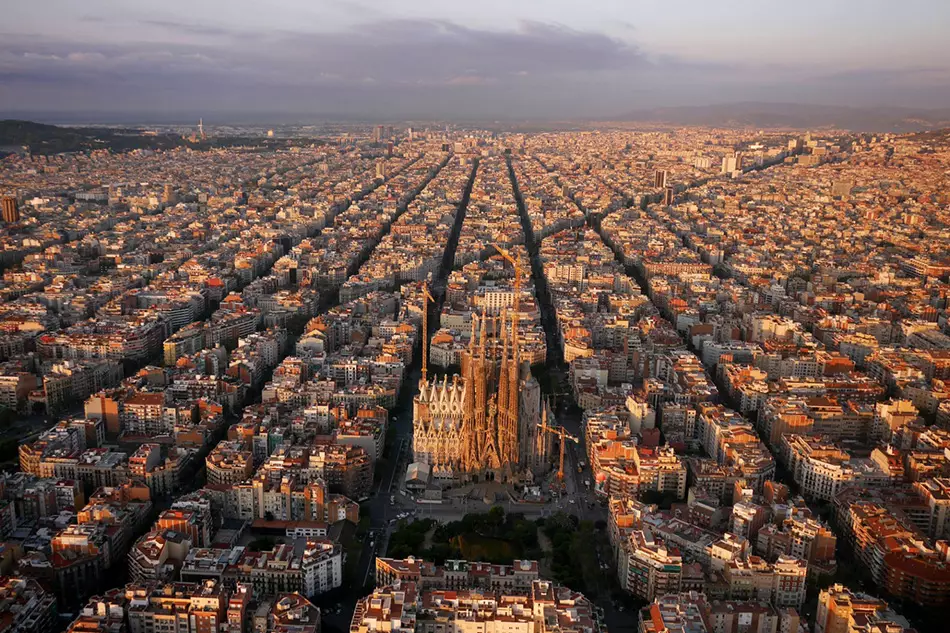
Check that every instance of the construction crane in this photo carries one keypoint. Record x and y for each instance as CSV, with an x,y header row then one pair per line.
x,y
560,432
517,266
426,298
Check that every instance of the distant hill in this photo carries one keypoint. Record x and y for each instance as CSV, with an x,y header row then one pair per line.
x,y
936,138
14,132
41,138
795,116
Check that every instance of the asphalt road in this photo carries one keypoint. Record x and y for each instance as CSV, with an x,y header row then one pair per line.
x,y
381,511
576,499
24,428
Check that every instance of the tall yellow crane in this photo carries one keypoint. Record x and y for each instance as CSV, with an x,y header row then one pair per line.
x,y
426,298
560,432
517,266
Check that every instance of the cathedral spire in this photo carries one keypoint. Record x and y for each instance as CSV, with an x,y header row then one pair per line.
x,y
503,396
499,325
514,392
516,342
504,338
481,339
471,340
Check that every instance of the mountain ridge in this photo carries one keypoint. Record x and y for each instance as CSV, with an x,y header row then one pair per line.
x,y
795,116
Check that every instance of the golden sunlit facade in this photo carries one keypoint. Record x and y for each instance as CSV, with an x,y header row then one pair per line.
x,y
484,424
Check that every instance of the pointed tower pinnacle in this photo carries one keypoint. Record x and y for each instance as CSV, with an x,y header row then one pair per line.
x,y
471,340
496,323
481,338
504,337
514,394
516,342
503,397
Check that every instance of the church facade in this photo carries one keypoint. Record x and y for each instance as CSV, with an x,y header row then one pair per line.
x,y
483,425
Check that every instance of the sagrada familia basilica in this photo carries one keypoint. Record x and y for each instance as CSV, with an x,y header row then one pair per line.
x,y
487,424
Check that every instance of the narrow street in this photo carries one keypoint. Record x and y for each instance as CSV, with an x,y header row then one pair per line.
x,y
577,500
399,448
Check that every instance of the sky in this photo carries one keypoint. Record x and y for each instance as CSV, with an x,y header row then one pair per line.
x,y
459,59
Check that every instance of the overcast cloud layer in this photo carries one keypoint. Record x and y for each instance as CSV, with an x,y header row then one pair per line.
x,y
416,58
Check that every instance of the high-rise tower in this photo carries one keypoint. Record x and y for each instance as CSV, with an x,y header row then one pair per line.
x,y
11,209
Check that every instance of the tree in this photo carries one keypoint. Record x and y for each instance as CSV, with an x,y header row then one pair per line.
x,y
263,544
496,517
664,500
6,416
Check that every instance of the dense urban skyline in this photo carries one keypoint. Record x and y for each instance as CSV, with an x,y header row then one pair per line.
x,y
419,58
428,317
589,380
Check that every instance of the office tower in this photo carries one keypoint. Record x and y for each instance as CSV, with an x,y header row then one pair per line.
x,y
659,178
168,196
379,133
11,210
732,163
380,169
668,195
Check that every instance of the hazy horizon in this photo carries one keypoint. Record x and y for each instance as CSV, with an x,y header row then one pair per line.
x,y
424,59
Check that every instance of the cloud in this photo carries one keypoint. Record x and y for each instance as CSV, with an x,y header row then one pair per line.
x,y
437,52
86,57
203,30
394,52
402,68
471,80
40,56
